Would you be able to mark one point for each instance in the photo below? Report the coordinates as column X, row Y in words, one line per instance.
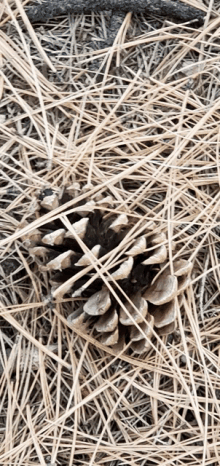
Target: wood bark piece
column 173, row 9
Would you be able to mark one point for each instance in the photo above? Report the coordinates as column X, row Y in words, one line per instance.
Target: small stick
column 174, row 9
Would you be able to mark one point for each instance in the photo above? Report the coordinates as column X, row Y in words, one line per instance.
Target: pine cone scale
column 108, row 322
column 136, row 312
column 162, row 291
column 165, row 314
column 98, row 303
column 158, row 257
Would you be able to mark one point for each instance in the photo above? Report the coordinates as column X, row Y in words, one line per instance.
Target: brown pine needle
column 143, row 128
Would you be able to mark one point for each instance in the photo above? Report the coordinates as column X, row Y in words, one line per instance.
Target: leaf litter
column 143, row 127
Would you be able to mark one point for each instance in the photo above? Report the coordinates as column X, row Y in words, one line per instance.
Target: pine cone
column 147, row 296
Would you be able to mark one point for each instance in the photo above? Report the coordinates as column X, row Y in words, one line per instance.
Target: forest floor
column 139, row 121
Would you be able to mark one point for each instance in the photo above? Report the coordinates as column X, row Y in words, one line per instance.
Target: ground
column 138, row 120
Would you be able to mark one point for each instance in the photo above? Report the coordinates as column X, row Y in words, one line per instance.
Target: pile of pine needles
column 142, row 125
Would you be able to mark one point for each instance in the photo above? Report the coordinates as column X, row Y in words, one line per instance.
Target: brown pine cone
column 148, row 295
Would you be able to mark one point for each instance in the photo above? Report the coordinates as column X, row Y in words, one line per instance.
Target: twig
column 177, row 10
